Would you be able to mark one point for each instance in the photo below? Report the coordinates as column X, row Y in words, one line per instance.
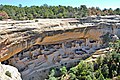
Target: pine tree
column 101, row 77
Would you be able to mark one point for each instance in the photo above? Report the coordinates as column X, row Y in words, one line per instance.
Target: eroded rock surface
column 8, row 72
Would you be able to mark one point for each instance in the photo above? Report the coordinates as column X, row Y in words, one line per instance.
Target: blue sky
column 75, row 3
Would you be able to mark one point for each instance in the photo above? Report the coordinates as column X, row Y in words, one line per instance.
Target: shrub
column 101, row 77
column 36, row 20
column 8, row 73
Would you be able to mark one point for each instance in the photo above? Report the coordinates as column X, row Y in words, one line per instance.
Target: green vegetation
column 45, row 11
column 104, row 68
column 8, row 73
column 51, row 76
column 3, row 15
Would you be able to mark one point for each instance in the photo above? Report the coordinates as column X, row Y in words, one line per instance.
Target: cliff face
column 9, row 73
column 16, row 36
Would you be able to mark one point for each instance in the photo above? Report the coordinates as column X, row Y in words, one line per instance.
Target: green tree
column 88, row 78
column 117, row 11
column 110, row 11
column 46, row 11
column 101, row 77
column 97, row 73
column 63, row 70
column 30, row 16
column 73, row 70
column 60, row 15
column 72, row 76
column 105, row 70
column 20, row 5
column 1, row 18
column 51, row 76
column 100, row 61
column 83, row 11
